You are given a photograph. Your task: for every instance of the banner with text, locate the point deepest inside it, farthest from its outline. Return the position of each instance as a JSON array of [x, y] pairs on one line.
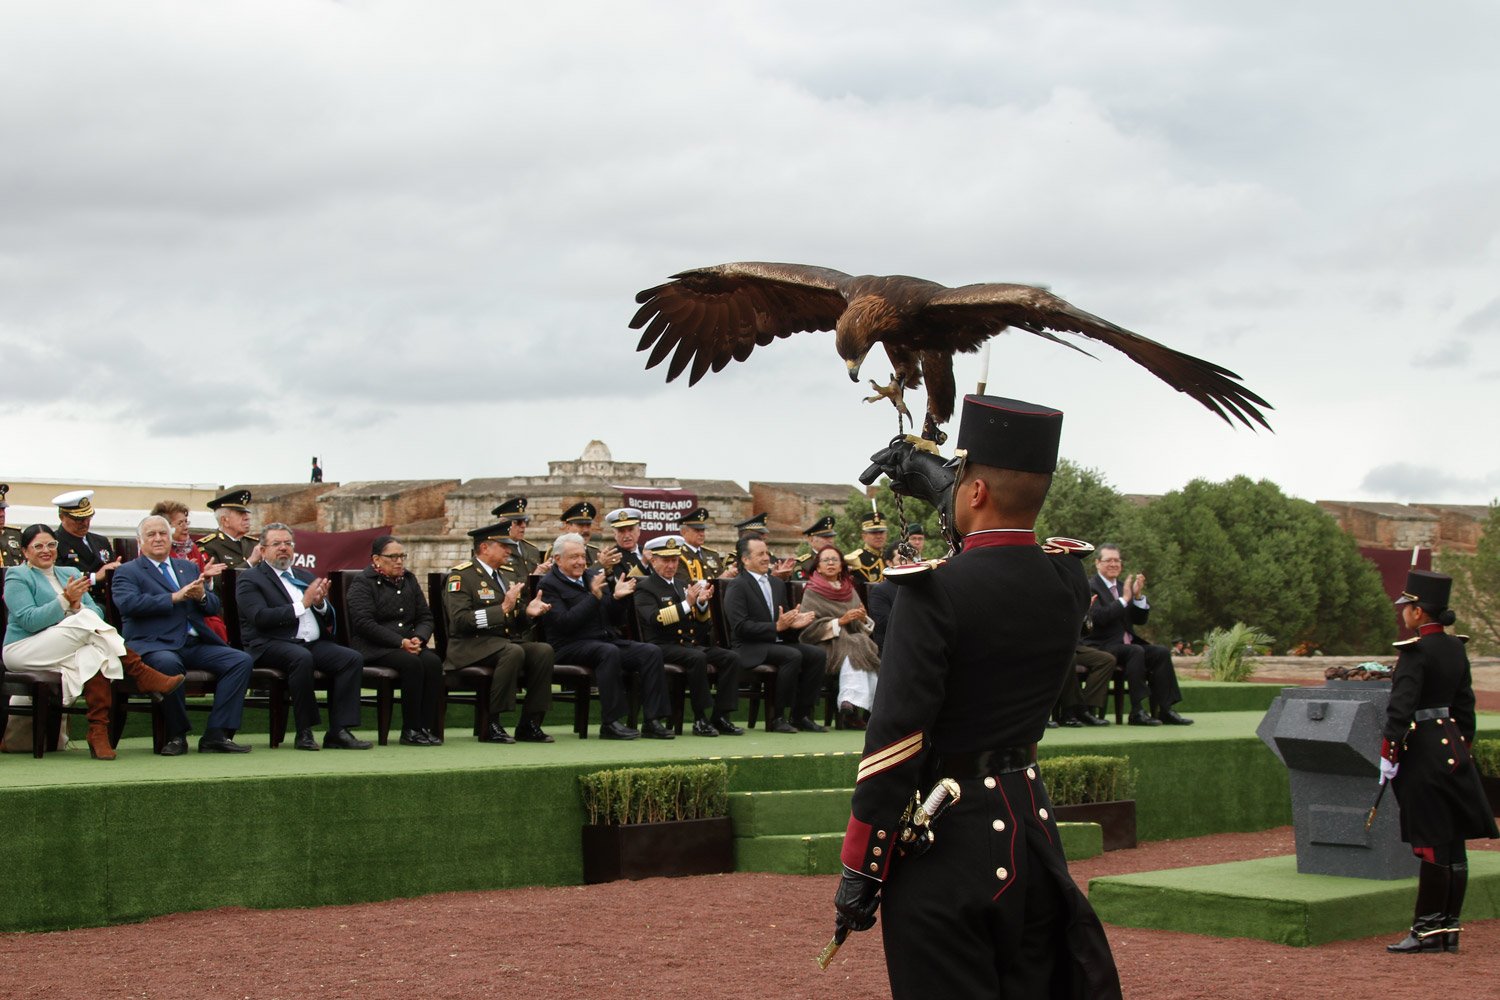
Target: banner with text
[[660, 509], [324, 552]]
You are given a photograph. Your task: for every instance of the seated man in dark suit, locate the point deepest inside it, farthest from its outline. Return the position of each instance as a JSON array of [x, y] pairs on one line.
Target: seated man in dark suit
[[287, 623], [763, 630], [580, 627], [676, 618], [162, 603], [1119, 604]]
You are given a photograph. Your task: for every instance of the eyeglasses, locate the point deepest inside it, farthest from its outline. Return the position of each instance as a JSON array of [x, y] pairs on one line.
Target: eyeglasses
[[394, 556], [45, 547]]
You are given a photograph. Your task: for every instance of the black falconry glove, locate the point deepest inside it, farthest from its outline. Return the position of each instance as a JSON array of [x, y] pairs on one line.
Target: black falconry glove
[[914, 471], [857, 899]]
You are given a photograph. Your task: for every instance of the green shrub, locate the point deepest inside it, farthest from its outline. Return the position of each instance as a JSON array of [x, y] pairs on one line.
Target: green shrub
[[1225, 648], [1487, 757], [1073, 781], [656, 794]]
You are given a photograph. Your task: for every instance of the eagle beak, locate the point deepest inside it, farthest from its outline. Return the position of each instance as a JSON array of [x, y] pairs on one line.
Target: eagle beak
[[853, 366]]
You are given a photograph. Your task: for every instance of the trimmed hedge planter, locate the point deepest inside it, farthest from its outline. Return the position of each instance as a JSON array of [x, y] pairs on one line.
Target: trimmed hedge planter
[[1487, 759], [1094, 789], [646, 822]]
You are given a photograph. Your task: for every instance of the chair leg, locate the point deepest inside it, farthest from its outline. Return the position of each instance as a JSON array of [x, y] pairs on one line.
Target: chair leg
[[581, 694], [280, 706], [442, 711], [385, 696], [41, 721], [482, 708], [755, 683]]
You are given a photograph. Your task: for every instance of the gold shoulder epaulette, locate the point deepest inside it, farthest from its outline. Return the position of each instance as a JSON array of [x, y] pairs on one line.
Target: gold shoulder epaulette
[[853, 558], [212, 536], [914, 571], [1462, 638], [463, 565], [1406, 642], [1057, 546]]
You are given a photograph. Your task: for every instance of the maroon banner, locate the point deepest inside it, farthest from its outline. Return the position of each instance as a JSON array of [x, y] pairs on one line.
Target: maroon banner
[[324, 552], [1393, 564], [660, 509]]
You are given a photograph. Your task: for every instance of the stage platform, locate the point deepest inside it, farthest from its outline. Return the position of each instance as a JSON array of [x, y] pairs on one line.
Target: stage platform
[[1267, 899], [96, 842]]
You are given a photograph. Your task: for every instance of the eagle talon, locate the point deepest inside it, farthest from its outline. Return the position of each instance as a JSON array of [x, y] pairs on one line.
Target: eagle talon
[[893, 392]]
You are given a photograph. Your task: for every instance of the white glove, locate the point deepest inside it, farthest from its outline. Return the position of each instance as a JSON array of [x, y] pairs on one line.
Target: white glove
[[1388, 770]]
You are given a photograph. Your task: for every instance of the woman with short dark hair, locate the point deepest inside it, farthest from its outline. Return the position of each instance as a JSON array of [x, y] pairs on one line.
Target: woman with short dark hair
[[389, 625]]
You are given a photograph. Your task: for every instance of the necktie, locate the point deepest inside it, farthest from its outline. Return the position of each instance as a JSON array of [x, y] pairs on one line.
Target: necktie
[[1114, 588], [286, 575], [765, 590], [166, 572]]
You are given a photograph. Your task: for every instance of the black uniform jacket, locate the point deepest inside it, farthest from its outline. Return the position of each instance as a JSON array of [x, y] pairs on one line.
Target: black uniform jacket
[[976, 653], [383, 612], [661, 617], [1438, 785], [84, 554]]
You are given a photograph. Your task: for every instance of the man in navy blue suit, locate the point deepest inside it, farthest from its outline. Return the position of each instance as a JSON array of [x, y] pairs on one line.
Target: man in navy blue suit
[[162, 602], [287, 623]]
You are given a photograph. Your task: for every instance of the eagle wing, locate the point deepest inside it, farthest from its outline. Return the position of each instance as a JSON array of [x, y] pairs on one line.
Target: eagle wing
[[961, 319], [710, 316]]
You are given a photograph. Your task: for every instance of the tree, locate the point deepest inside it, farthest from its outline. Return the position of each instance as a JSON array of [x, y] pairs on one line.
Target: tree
[[897, 518], [1218, 553], [1081, 504], [1476, 587]]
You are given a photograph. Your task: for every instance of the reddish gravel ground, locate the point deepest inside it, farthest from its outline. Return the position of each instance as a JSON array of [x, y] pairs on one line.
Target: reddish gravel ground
[[725, 937]]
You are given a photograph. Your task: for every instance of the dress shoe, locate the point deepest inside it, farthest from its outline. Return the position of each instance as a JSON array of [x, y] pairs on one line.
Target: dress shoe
[[497, 734], [220, 744], [781, 724], [1051, 723], [530, 731], [306, 740], [1070, 721], [617, 731], [342, 739], [176, 746], [1171, 718], [433, 739], [1140, 717], [1085, 717], [726, 727], [654, 729], [807, 725], [704, 728], [849, 717], [414, 738]]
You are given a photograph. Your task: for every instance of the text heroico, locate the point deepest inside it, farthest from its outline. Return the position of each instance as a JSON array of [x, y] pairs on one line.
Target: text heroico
[[709, 316]]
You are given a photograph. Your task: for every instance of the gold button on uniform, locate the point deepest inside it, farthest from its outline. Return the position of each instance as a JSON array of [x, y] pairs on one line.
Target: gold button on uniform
[[874, 867], [989, 782], [875, 851], [999, 825], [1001, 874], [1445, 741], [1031, 773], [1450, 761], [1042, 813], [879, 834]]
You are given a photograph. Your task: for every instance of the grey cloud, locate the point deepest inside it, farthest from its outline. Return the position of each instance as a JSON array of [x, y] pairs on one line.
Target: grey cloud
[[1485, 319], [1406, 480], [1453, 354]]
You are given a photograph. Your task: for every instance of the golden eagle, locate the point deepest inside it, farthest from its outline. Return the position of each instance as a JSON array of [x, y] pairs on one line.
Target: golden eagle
[[709, 316]]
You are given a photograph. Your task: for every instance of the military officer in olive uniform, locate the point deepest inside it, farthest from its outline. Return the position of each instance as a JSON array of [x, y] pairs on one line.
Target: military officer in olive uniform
[[80, 548], [10, 538], [975, 654], [232, 544], [819, 536], [755, 527], [698, 561], [579, 519], [868, 561], [675, 617], [489, 622], [527, 556]]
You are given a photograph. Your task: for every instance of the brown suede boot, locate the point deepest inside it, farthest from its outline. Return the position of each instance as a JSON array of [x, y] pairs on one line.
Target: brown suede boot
[[96, 696], [147, 680]]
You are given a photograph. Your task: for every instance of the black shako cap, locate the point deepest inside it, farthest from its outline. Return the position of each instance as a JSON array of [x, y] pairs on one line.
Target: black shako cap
[[1427, 589], [1010, 433]]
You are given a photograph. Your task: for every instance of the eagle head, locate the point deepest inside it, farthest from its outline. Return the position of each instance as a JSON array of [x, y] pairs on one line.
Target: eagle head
[[867, 320]]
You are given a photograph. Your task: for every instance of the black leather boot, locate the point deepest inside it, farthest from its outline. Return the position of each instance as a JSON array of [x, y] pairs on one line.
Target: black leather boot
[[1427, 932], [1458, 884]]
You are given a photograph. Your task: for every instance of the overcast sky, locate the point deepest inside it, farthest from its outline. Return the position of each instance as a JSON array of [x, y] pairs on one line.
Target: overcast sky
[[407, 236]]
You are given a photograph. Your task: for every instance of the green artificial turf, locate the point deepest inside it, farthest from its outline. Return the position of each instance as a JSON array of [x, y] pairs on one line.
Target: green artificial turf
[[1267, 899], [1226, 696]]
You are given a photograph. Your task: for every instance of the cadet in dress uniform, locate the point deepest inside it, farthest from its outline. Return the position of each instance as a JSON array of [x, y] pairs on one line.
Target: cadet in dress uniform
[[674, 615], [11, 549], [86, 551], [1429, 726], [820, 535], [868, 562], [527, 556], [232, 544], [975, 654], [488, 621]]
